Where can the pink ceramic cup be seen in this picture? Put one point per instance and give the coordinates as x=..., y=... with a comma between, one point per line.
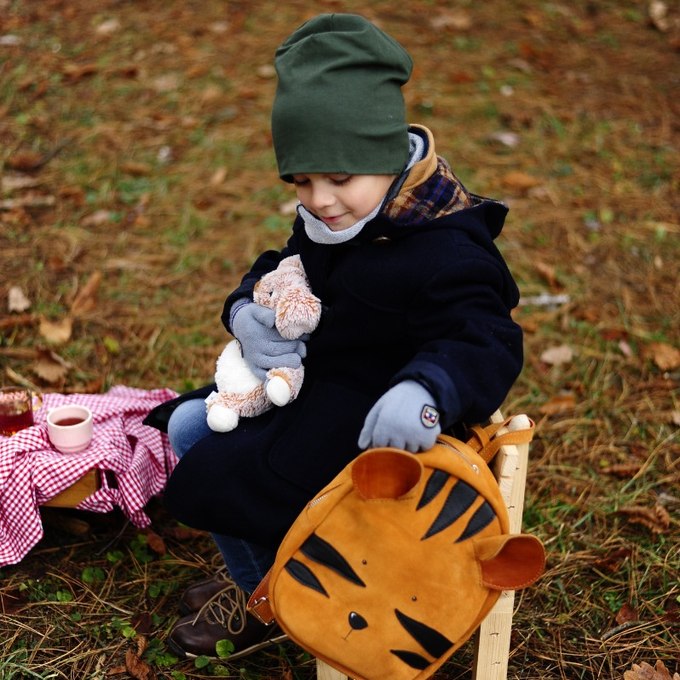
x=69, y=427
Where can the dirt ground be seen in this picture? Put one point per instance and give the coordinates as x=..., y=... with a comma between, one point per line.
x=138, y=183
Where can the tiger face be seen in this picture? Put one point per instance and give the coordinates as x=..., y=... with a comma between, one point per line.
x=403, y=570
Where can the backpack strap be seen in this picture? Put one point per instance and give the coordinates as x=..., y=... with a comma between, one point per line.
x=259, y=604
x=486, y=440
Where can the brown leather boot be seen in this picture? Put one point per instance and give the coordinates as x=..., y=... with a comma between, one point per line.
x=199, y=594
x=223, y=618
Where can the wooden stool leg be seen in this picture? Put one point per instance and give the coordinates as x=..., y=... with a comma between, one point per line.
x=493, y=641
x=492, y=648
x=325, y=672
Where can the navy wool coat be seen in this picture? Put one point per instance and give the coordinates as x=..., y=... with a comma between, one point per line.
x=429, y=303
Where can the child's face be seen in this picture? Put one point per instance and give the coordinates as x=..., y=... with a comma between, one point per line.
x=340, y=201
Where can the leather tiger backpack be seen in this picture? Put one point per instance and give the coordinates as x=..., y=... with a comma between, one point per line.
x=396, y=562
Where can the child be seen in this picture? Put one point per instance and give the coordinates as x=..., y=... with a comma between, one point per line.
x=415, y=337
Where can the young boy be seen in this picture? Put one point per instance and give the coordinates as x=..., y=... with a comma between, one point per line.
x=415, y=337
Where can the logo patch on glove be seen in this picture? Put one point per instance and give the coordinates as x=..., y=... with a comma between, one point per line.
x=429, y=416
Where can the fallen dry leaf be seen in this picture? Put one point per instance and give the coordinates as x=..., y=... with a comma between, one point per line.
x=10, y=40
x=10, y=183
x=75, y=194
x=646, y=672
x=461, y=77
x=555, y=356
x=622, y=470
x=38, y=86
x=127, y=71
x=558, y=404
x=656, y=519
x=50, y=367
x=211, y=93
x=24, y=161
x=665, y=356
x=219, y=27
x=136, y=169
x=658, y=15
x=266, y=71
x=218, y=176
x=48, y=371
x=28, y=161
x=613, y=334
x=74, y=72
x=86, y=299
x=613, y=560
x=56, y=332
x=626, y=614
x=506, y=138
x=137, y=668
x=117, y=670
x=17, y=300
x=183, y=533
x=165, y=83
x=457, y=20
x=155, y=542
x=142, y=644
x=29, y=201
x=97, y=218
x=547, y=271
x=520, y=181
x=108, y=27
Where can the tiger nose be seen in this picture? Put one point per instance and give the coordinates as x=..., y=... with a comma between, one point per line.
x=357, y=621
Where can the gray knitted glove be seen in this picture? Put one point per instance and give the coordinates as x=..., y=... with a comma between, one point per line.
x=404, y=417
x=261, y=343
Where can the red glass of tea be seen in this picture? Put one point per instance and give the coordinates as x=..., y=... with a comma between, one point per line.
x=16, y=410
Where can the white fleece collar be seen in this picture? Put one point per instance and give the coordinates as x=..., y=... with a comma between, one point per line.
x=319, y=232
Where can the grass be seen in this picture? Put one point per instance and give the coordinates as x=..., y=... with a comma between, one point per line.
x=151, y=135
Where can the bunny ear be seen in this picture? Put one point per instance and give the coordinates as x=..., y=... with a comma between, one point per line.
x=385, y=473
x=292, y=261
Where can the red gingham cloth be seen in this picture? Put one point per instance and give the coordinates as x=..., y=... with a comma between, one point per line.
x=32, y=471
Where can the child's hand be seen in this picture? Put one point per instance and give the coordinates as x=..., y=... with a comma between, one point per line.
x=404, y=417
x=261, y=343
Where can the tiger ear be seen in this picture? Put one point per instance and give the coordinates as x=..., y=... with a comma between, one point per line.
x=510, y=562
x=382, y=473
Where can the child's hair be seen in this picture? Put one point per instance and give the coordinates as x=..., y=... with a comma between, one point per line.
x=339, y=106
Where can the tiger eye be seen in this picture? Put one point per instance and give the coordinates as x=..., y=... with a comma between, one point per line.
x=357, y=621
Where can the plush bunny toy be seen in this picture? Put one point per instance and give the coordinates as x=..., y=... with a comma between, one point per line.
x=239, y=392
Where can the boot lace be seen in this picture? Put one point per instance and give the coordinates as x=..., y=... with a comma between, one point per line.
x=222, y=574
x=227, y=608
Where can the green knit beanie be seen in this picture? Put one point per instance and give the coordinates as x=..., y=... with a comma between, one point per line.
x=338, y=105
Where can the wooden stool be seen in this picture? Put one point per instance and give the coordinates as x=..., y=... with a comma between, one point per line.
x=77, y=492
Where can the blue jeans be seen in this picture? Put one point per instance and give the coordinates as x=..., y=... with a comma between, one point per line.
x=247, y=562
